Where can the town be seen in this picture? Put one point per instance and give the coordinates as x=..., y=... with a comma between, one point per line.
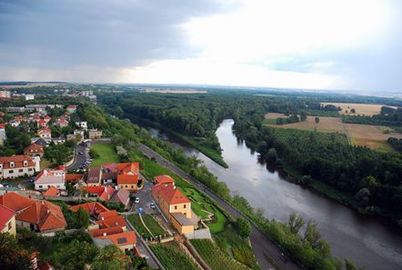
x=60, y=175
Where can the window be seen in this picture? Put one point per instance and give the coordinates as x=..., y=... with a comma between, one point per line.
x=184, y=206
x=11, y=171
x=40, y=186
x=20, y=170
x=10, y=226
x=175, y=207
x=126, y=186
x=30, y=169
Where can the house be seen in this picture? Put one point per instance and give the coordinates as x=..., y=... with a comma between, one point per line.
x=94, y=176
x=59, y=140
x=176, y=206
x=29, y=97
x=71, y=108
x=126, y=241
x=111, y=219
x=51, y=192
x=74, y=177
x=126, y=175
x=82, y=124
x=94, y=134
x=79, y=135
x=102, y=192
x=45, y=134
x=36, y=215
x=92, y=208
x=50, y=178
x=34, y=150
x=41, y=142
x=3, y=136
x=163, y=179
x=121, y=196
x=7, y=220
x=18, y=166
x=62, y=122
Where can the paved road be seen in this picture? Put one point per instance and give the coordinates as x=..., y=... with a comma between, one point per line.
x=264, y=249
x=80, y=159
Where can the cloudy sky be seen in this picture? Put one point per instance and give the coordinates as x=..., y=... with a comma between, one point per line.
x=325, y=44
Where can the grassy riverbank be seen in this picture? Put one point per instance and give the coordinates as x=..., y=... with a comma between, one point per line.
x=199, y=143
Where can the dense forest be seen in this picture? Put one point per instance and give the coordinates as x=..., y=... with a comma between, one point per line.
x=371, y=180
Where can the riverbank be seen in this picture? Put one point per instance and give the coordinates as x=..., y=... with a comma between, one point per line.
x=197, y=143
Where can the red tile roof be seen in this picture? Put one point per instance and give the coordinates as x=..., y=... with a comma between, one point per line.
x=169, y=194
x=92, y=208
x=103, y=192
x=73, y=177
x=51, y=192
x=18, y=161
x=123, y=179
x=112, y=222
x=5, y=215
x=15, y=201
x=164, y=179
x=122, y=239
x=127, y=173
x=44, y=214
x=34, y=149
x=105, y=231
x=108, y=214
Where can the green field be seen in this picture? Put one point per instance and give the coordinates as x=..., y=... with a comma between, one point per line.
x=106, y=154
x=172, y=257
x=150, y=222
x=214, y=256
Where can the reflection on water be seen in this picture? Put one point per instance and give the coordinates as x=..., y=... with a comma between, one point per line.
x=366, y=241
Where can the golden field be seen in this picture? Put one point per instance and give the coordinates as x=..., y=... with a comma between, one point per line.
x=362, y=109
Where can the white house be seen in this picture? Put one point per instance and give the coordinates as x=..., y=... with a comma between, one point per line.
x=3, y=135
x=48, y=178
x=82, y=124
x=18, y=166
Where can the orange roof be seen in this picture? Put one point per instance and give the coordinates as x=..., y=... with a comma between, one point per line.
x=127, y=179
x=92, y=208
x=15, y=201
x=169, y=194
x=105, y=231
x=46, y=215
x=104, y=192
x=51, y=192
x=73, y=177
x=112, y=221
x=5, y=215
x=122, y=239
x=108, y=214
x=164, y=179
x=33, y=148
x=18, y=161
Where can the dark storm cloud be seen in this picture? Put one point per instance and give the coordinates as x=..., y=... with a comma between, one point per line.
x=62, y=34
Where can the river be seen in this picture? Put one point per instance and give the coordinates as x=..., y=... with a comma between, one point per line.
x=368, y=241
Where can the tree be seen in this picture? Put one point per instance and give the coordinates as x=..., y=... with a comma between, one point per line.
x=363, y=196
x=82, y=218
x=271, y=155
x=352, y=110
x=75, y=255
x=303, y=116
x=243, y=227
x=111, y=258
x=317, y=120
x=12, y=256
x=312, y=234
x=295, y=223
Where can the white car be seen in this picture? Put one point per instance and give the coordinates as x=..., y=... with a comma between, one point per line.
x=137, y=200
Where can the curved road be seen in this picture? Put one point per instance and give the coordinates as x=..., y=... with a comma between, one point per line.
x=268, y=255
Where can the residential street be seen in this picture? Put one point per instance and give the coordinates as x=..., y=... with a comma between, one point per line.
x=80, y=158
x=263, y=247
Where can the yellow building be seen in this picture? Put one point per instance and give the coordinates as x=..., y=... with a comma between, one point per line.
x=176, y=206
x=7, y=220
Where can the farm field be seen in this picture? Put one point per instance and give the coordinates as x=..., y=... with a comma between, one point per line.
x=214, y=257
x=362, y=109
x=172, y=257
x=106, y=154
x=364, y=135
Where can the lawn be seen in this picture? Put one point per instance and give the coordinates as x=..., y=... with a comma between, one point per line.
x=106, y=154
x=150, y=222
x=172, y=257
x=214, y=256
x=230, y=242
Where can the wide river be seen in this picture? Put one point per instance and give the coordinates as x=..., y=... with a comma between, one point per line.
x=369, y=242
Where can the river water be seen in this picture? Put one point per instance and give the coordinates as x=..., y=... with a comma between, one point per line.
x=369, y=242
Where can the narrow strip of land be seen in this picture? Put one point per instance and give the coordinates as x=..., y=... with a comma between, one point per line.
x=268, y=255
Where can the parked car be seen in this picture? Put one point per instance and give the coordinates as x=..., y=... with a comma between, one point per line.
x=137, y=200
x=152, y=205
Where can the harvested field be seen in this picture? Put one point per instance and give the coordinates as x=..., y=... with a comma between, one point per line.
x=361, y=109
x=365, y=135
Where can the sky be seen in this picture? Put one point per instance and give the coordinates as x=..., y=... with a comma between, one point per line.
x=311, y=44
